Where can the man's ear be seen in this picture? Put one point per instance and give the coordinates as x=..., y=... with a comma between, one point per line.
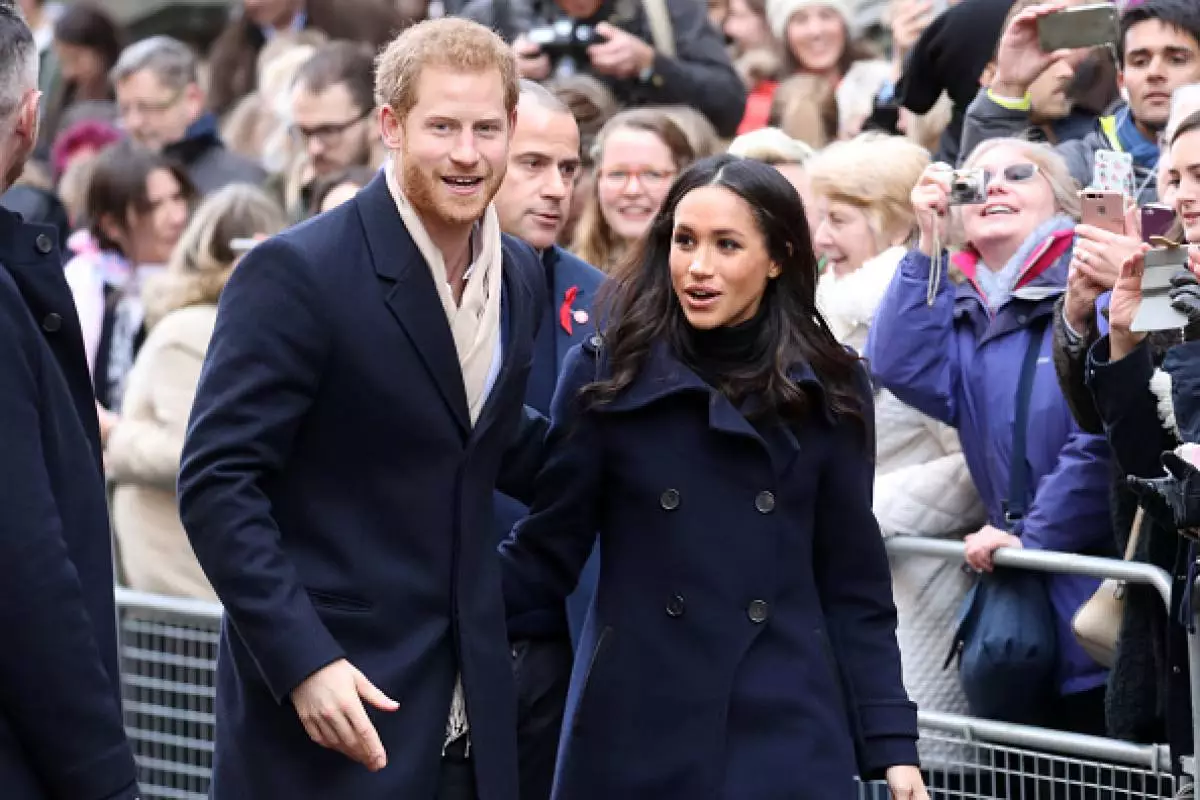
x=28, y=116
x=391, y=128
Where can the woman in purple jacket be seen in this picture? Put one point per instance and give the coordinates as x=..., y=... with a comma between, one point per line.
x=952, y=346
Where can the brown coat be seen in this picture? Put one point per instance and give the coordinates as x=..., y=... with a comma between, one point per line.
x=234, y=54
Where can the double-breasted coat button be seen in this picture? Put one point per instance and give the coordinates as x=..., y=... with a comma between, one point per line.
x=758, y=611
x=669, y=500
x=675, y=606
x=765, y=502
x=43, y=244
x=51, y=322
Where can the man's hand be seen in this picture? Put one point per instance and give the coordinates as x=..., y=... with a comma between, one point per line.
x=1019, y=57
x=621, y=55
x=532, y=63
x=329, y=706
x=982, y=547
x=906, y=783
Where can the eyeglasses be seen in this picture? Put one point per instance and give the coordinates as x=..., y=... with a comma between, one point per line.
x=649, y=178
x=329, y=134
x=1013, y=173
x=149, y=108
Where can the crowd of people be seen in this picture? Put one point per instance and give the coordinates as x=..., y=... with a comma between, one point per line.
x=535, y=384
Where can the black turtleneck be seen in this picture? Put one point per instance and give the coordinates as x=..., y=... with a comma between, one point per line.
x=721, y=355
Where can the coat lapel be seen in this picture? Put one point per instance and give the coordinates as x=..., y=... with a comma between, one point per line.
x=411, y=296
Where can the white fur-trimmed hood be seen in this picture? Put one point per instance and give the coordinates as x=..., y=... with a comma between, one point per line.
x=848, y=302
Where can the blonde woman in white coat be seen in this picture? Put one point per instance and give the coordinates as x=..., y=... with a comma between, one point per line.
x=922, y=487
x=143, y=451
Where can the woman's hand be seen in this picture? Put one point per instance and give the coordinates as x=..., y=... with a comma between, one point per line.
x=1082, y=293
x=1126, y=300
x=982, y=547
x=931, y=203
x=906, y=783
x=1101, y=253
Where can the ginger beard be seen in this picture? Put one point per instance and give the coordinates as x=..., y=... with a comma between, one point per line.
x=428, y=192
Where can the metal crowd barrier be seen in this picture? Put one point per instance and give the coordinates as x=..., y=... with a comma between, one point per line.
x=1022, y=762
x=168, y=662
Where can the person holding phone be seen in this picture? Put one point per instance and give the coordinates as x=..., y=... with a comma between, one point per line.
x=1144, y=388
x=1159, y=50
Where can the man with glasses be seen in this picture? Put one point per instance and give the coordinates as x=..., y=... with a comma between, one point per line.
x=331, y=104
x=163, y=108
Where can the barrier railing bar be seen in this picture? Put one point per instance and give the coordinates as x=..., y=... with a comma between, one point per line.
x=1043, y=561
x=1148, y=756
x=158, y=603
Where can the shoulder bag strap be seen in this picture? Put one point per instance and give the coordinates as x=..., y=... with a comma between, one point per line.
x=1018, y=472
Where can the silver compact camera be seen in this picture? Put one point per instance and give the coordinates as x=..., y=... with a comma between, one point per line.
x=968, y=187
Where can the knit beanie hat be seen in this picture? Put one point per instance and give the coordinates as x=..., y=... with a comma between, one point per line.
x=780, y=12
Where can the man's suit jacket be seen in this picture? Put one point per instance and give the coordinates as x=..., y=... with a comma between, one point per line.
x=340, y=503
x=61, y=731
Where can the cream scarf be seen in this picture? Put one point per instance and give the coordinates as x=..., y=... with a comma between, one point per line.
x=475, y=322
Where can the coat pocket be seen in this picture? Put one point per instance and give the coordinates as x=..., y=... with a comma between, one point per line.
x=580, y=706
x=338, y=602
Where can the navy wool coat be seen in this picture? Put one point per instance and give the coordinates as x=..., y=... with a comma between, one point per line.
x=61, y=732
x=340, y=502
x=742, y=640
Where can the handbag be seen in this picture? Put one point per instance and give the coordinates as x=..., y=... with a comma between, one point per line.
x=1005, y=640
x=1097, y=623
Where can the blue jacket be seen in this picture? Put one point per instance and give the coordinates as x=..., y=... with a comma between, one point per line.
x=959, y=363
x=562, y=327
x=61, y=732
x=340, y=501
x=741, y=643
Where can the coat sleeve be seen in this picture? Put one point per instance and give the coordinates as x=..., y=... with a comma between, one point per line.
x=1070, y=365
x=1070, y=508
x=147, y=444
x=56, y=696
x=911, y=348
x=1182, y=363
x=700, y=75
x=262, y=371
x=523, y=458
x=1128, y=408
x=546, y=551
x=855, y=586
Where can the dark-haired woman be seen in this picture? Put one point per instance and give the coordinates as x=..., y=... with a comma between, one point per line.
x=87, y=43
x=137, y=207
x=741, y=643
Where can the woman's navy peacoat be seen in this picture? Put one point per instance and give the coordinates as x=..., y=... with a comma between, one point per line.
x=742, y=638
